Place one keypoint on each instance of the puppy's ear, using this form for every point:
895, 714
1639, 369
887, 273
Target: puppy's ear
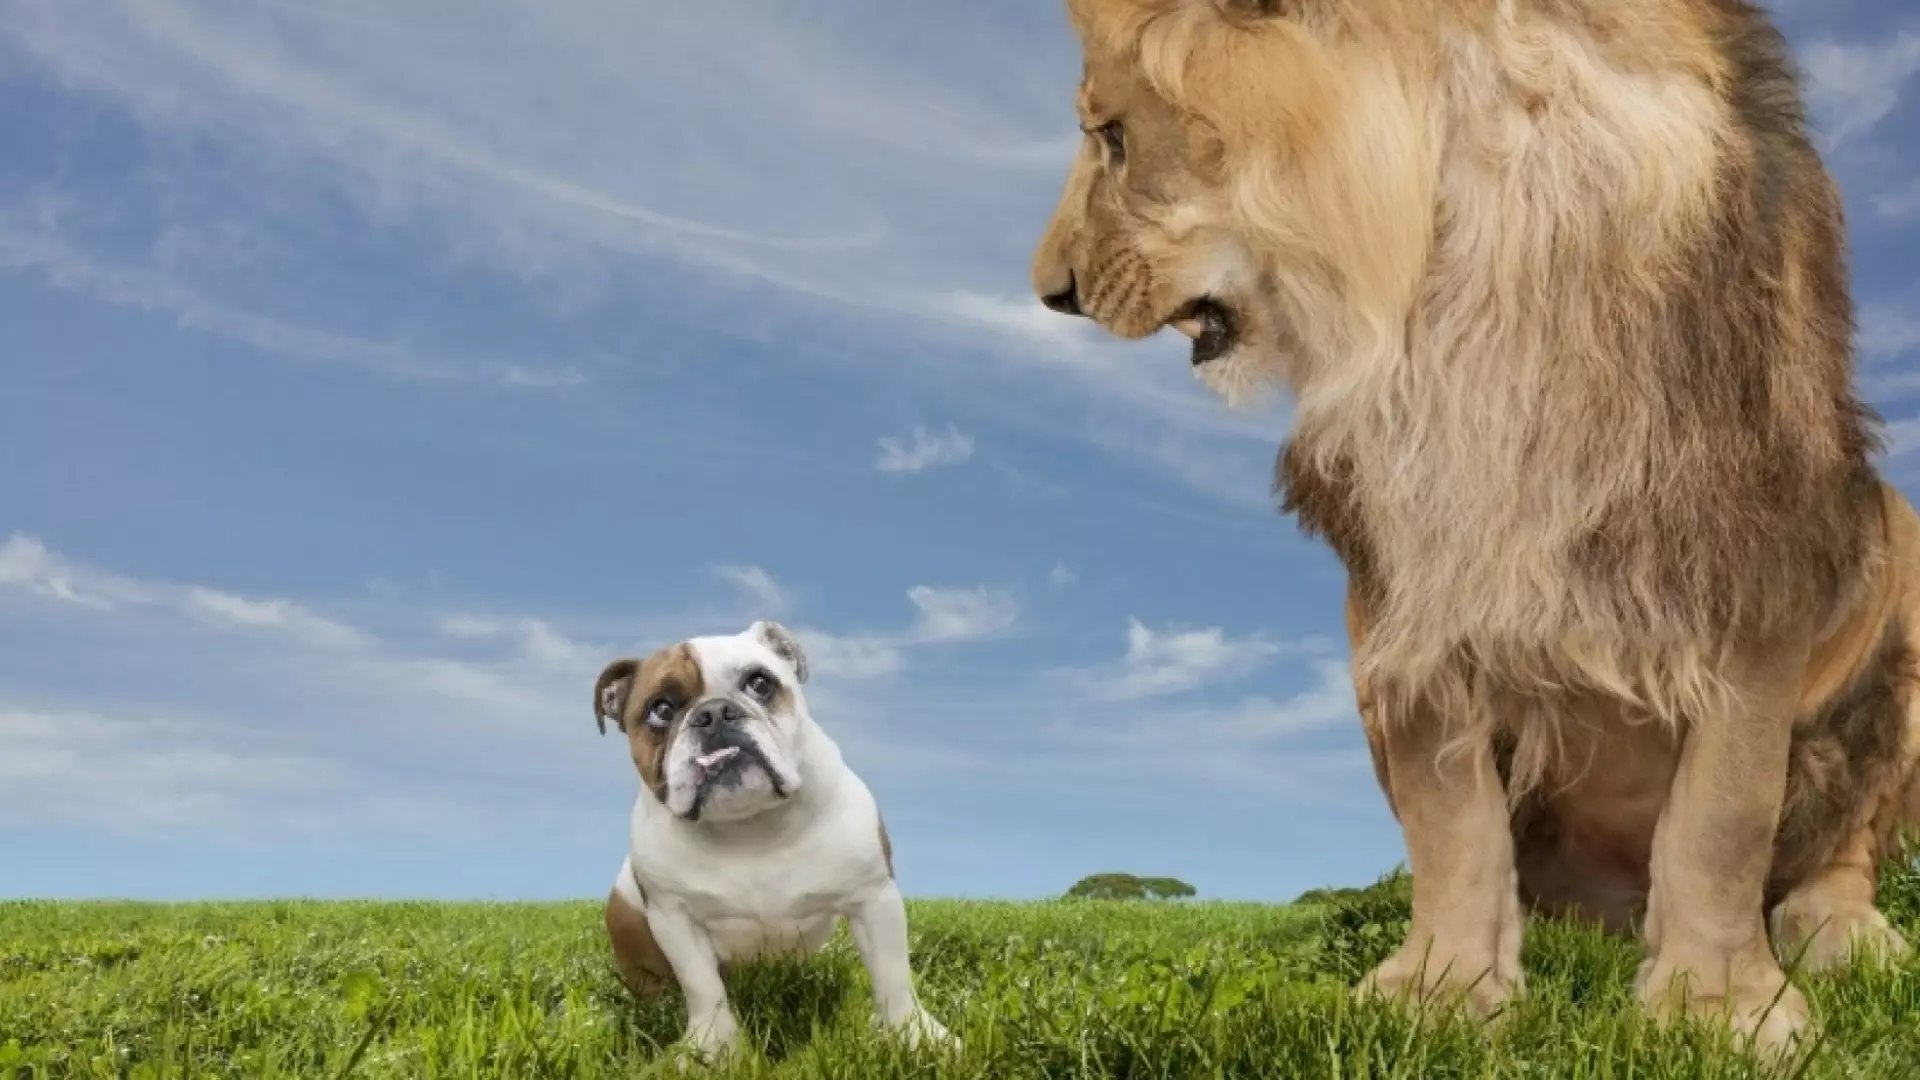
610, 693
784, 644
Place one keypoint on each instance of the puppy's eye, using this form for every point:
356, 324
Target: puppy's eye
1115, 138
659, 713
759, 684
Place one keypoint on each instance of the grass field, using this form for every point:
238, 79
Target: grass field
1083, 988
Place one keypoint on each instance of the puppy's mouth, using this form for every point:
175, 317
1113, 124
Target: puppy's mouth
727, 761
1210, 324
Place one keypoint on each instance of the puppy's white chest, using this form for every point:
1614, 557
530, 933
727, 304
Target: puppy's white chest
737, 938
758, 895
785, 902
814, 878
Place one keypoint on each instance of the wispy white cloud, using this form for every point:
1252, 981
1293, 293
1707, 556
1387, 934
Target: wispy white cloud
153, 775
162, 294
27, 565
757, 585
923, 450
959, 614
1061, 576
535, 640
944, 616
282, 616
1887, 332
1851, 88
1265, 746
1174, 660
142, 774
1902, 438
1243, 724
856, 657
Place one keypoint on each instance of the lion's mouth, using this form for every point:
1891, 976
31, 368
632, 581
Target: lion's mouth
1210, 324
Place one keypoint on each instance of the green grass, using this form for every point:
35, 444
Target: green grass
1080, 988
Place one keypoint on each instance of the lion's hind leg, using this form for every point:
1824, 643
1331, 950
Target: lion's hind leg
1851, 786
1830, 919
1852, 792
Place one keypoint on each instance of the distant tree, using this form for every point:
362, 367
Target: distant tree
1129, 887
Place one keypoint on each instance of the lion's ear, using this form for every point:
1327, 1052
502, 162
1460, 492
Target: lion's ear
784, 644
610, 693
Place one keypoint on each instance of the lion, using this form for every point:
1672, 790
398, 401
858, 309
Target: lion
1558, 291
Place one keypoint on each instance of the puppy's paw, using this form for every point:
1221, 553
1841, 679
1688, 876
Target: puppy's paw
708, 1044
919, 1029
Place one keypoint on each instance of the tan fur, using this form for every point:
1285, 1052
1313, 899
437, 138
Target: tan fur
623, 693
636, 956
1559, 289
627, 688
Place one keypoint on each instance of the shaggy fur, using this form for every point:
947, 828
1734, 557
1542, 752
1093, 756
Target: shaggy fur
1559, 289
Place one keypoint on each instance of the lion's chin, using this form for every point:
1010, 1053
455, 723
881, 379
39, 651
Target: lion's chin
1212, 326
1223, 358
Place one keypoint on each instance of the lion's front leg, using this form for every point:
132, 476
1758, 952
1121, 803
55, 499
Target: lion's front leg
1370, 720
1464, 942
1707, 949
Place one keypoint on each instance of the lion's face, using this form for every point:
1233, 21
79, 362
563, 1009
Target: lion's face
1140, 238
1244, 178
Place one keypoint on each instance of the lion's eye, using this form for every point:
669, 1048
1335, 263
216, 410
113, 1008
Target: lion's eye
1115, 137
759, 684
659, 713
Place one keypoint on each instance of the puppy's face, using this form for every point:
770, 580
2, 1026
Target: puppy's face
713, 722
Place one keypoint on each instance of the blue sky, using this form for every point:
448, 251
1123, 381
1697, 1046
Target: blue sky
375, 373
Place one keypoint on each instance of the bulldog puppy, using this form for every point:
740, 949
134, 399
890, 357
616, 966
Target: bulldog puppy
750, 836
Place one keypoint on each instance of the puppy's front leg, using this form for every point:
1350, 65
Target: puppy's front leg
711, 1028
879, 925
1464, 941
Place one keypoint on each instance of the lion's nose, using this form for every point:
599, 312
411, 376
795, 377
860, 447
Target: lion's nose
1066, 301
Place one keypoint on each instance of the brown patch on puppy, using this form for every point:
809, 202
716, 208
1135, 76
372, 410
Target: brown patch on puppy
647, 699
636, 955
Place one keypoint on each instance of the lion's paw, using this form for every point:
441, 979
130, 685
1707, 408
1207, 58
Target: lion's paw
1764, 1010
1824, 938
1447, 977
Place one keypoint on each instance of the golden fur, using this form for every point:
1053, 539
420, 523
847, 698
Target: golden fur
1558, 287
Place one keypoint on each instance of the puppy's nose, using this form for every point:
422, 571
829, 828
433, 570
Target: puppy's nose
1066, 301
716, 712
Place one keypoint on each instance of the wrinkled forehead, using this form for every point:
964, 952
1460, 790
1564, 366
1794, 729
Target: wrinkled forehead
723, 660
674, 672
